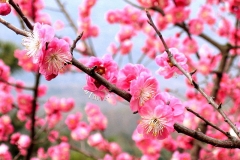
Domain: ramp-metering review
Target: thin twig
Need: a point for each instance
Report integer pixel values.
(189, 77)
(209, 123)
(19, 11)
(16, 85)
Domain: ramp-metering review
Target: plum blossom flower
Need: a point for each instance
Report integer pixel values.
(156, 120)
(55, 58)
(167, 69)
(36, 41)
(142, 89)
(107, 68)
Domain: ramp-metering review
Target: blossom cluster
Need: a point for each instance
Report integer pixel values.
(51, 54)
(158, 110)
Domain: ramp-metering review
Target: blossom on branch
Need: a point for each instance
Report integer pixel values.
(37, 40)
(167, 69)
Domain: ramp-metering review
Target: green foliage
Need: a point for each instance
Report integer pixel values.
(7, 54)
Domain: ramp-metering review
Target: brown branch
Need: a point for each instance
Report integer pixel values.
(19, 11)
(13, 28)
(189, 77)
(16, 85)
(75, 42)
(34, 107)
(209, 123)
(230, 143)
(111, 87)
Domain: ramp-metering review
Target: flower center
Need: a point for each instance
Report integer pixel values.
(146, 94)
(155, 126)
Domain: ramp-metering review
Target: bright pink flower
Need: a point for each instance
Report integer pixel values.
(196, 26)
(23, 103)
(14, 138)
(107, 68)
(129, 73)
(25, 61)
(6, 127)
(6, 100)
(142, 89)
(156, 120)
(170, 144)
(182, 3)
(179, 14)
(174, 103)
(5, 9)
(166, 67)
(41, 153)
(42, 89)
(81, 132)
(55, 58)
(72, 120)
(36, 41)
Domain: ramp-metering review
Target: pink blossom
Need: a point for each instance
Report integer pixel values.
(72, 120)
(114, 149)
(95, 139)
(6, 100)
(179, 14)
(167, 69)
(98, 122)
(36, 41)
(196, 26)
(66, 105)
(190, 46)
(156, 120)
(182, 3)
(23, 103)
(42, 89)
(55, 58)
(61, 151)
(129, 73)
(124, 156)
(59, 25)
(81, 132)
(174, 103)
(126, 47)
(23, 141)
(92, 109)
(25, 61)
(5, 9)
(4, 153)
(180, 156)
(107, 68)
(143, 89)
(53, 136)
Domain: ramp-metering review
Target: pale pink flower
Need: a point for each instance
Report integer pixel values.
(98, 122)
(72, 120)
(156, 120)
(95, 139)
(167, 69)
(55, 58)
(61, 151)
(23, 141)
(180, 156)
(81, 132)
(4, 153)
(124, 156)
(107, 68)
(6, 100)
(142, 89)
(36, 41)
